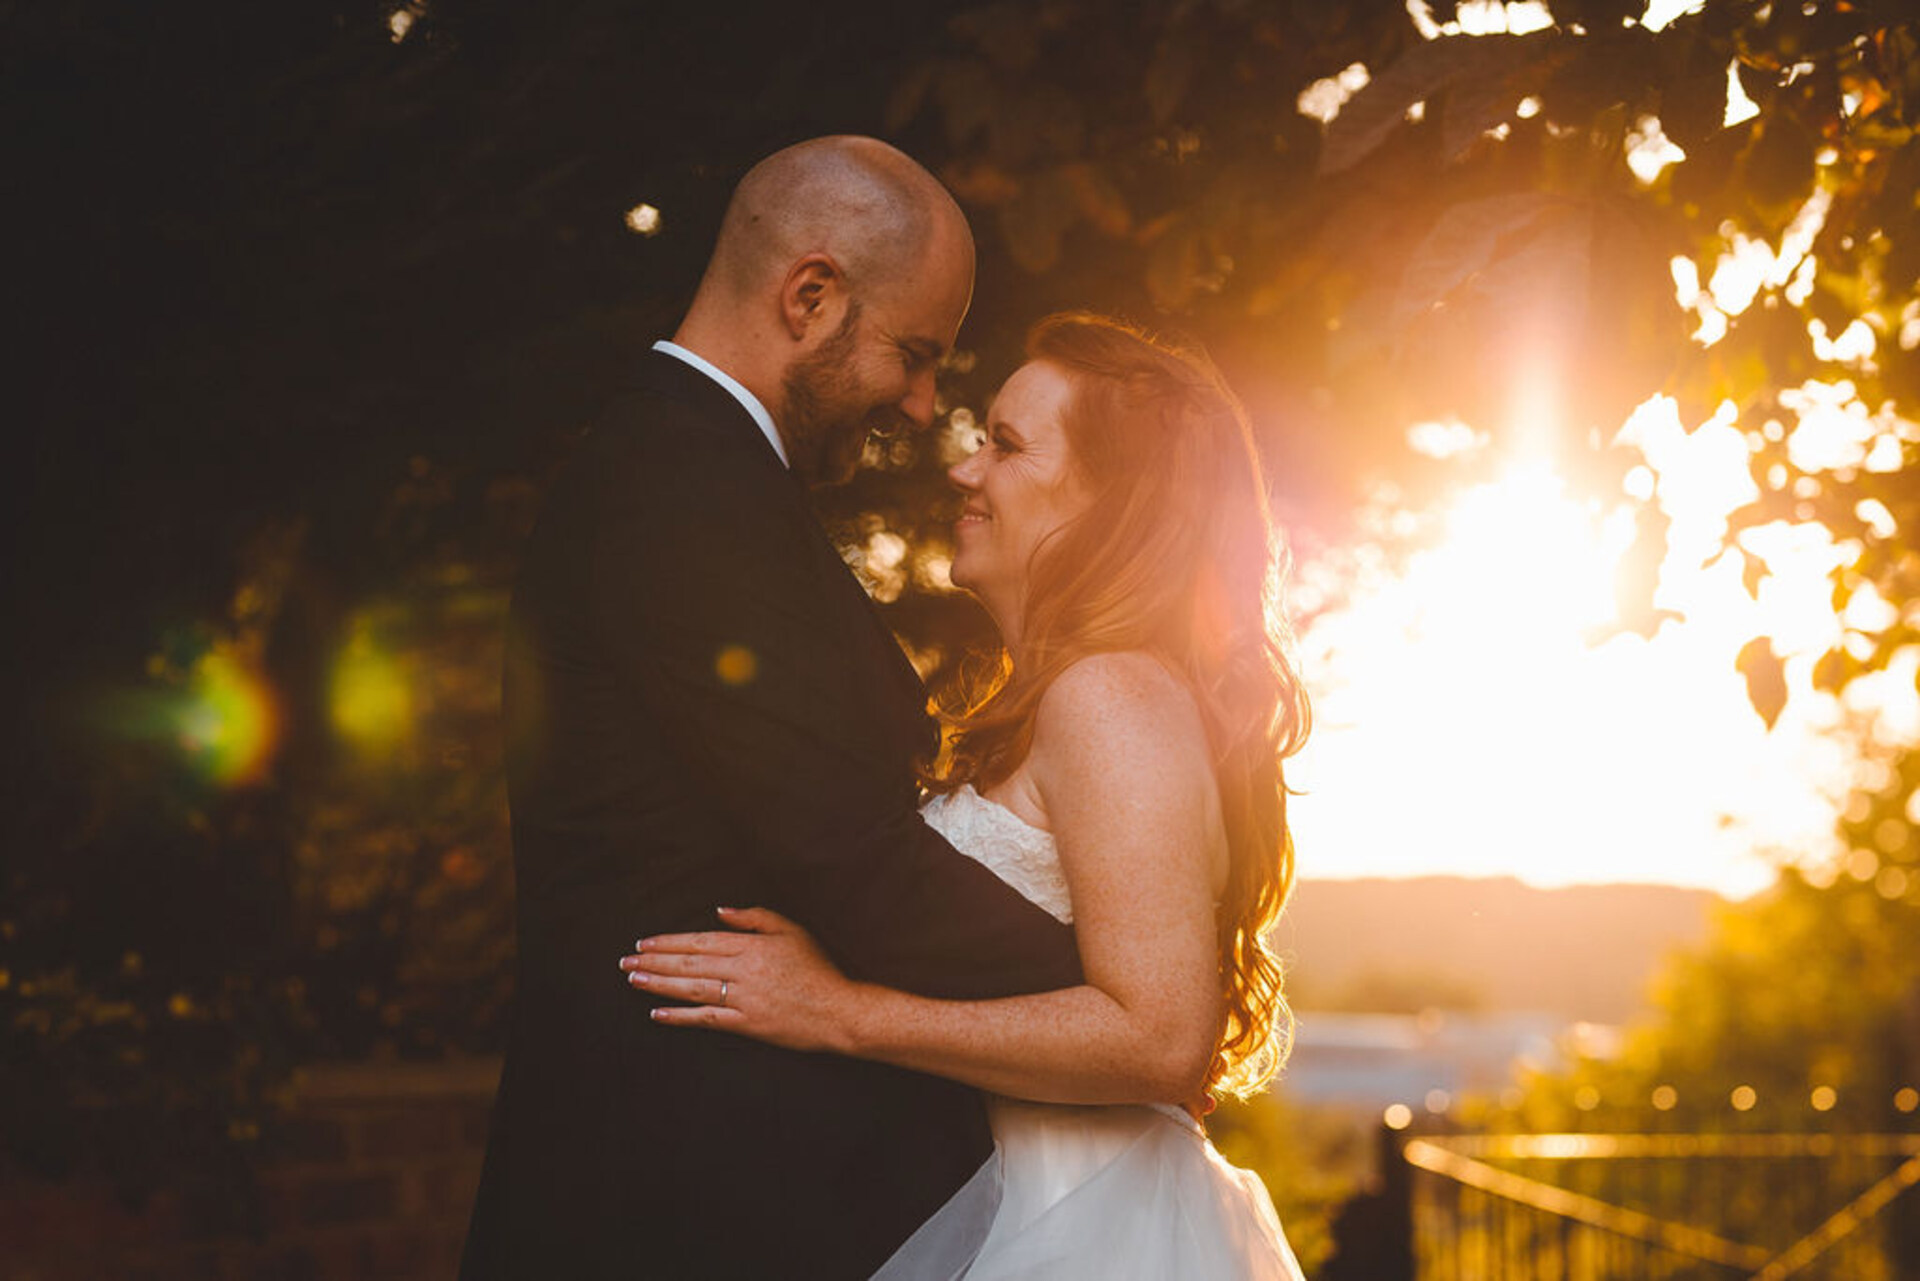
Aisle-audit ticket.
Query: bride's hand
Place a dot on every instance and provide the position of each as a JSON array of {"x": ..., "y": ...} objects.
[{"x": 765, "y": 978}]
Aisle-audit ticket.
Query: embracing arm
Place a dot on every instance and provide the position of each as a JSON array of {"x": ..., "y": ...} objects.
[{"x": 1121, "y": 764}]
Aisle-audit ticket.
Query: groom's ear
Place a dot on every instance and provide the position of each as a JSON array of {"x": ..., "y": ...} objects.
[{"x": 813, "y": 293}]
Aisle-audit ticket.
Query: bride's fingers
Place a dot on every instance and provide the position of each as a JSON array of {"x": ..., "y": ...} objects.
[
  {"x": 709, "y": 942},
  {"x": 761, "y": 920},
  {"x": 699, "y": 991},
  {"x": 720, "y": 1019},
  {"x": 676, "y": 964}
]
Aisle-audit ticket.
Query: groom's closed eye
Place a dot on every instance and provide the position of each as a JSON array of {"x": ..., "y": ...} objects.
[{"x": 919, "y": 355}]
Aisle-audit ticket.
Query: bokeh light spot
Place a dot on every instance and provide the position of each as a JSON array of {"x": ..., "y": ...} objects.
[
  {"x": 1823, "y": 1098},
  {"x": 1665, "y": 1098},
  {"x": 1743, "y": 1098},
  {"x": 1892, "y": 883},
  {"x": 644, "y": 220},
  {"x": 1398, "y": 1116},
  {"x": 371, "y": 700},
  {"x": 736, "y": 665}
]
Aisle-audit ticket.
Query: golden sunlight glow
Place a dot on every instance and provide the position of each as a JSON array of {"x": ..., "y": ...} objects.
[
  {"x": 1323, "y": 98},
  {"x": 1661, "y": 13},
  {"x": 1481, "y": 18},
  {"x": 1649, "y": 150},
  {"x": 226, "y": 724},
  {"x": 1479, "y": 713},
  {"x": 1740, "y": 108}
]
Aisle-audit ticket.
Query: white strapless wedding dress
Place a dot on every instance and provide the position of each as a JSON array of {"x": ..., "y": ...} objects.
[{"x": 1086, "y": 1193}]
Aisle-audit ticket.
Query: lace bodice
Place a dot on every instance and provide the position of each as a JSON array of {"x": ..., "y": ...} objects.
[{"x": 1005, "y": 844}]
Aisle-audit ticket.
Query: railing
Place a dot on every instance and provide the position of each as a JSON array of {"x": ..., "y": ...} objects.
[{"x": 1612, "y": 1207}]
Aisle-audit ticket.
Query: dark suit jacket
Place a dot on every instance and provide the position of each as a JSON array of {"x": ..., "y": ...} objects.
[{"x": 651, "y": 781}]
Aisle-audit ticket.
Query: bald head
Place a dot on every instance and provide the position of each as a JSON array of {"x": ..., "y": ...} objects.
[
  {"x": 840, "y": 278},
  {"x": 868, "y": 206}
]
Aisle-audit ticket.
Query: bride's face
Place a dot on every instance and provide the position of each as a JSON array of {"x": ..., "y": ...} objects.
[{"x": 1021, "y": 486}]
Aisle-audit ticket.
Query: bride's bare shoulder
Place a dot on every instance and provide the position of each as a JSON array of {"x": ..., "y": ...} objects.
[{"x": 1117, "y": 707}]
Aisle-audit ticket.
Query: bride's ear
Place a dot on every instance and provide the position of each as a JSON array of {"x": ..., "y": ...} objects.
[{"x": 813, "y": 294}]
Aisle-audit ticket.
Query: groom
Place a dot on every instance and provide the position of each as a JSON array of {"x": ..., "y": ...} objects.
[{"x": 703, "y": 709}]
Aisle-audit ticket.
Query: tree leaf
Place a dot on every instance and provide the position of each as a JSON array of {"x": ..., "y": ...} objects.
[
  {"x": 1174, "y": 265},
  {"x": 1035, "y": 219},
  {"x": 1753, "y": 572},
  {"x": 966, "y": 92},
  {"x": 1419, "y": 74},
  {"x": 1168, "y": 76},
  {"x": 1461, "y": 246},
  {"x": 1766, "y": 678},
  {"x": 908, "y": 96},
  {"x": 1099, "y": 200},
  {"x": 1693, "y": 100},
  {"x": 1779, "y": 166},
  {"x": 1831, "y": 670}
]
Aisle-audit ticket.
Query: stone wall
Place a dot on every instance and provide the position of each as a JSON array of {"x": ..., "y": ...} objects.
[{"x": 373, "y": 1179}]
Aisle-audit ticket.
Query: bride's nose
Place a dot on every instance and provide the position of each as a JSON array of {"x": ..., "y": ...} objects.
[{"x": 965, "y": 474}]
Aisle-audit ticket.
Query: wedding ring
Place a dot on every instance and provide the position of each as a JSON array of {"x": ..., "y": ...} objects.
[{"x": 723, "y": 991}]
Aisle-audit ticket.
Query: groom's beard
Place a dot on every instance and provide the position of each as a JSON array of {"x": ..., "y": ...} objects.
[{"x": 826, "y": 424}]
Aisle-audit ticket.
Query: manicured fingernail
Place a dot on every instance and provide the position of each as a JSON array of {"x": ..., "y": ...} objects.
[
  {"x": 656, "y": 1015},
  {"x": 639, "y": 945},
  {"x": 639, "y": 980},
  {"x": 725, "y": 911}
]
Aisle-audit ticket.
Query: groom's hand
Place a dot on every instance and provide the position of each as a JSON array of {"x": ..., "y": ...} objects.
[{"x": 765, "y": 978}]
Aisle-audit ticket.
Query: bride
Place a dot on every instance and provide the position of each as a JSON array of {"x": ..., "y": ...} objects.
[{"x": 1124, "y": 774}]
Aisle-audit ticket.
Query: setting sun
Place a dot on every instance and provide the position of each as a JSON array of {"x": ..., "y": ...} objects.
[{"x": 1477, "y": 718}]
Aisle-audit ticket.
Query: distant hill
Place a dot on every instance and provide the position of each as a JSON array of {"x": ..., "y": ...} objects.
[{"x": 1396, "y": 946}]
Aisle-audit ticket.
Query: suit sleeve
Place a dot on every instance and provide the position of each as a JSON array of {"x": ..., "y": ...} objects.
[{"x": 715, "y": 611}]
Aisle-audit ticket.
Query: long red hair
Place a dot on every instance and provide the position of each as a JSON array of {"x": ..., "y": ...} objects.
[{"x": 1175, "y": 555}]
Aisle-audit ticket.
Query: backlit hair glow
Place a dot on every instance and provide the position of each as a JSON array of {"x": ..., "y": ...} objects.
[{"x": 1175, "y": 555}]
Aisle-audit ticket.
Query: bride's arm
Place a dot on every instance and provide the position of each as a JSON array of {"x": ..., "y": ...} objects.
[{"x": 1120, "y": 761}]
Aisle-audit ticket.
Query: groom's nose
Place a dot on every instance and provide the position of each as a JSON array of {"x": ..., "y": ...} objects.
[{"x": 917, "y": 404}]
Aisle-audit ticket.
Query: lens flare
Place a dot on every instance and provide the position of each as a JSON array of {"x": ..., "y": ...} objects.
[
  {"x": 371, "y": 699},
  {"x": 226, "y": 724}
]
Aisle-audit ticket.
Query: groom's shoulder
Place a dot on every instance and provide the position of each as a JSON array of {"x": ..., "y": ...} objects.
[{"x": 680, "y": 435}]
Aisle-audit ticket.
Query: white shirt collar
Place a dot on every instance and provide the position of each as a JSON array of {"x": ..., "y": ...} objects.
[{"x": 748, "y": 401}]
